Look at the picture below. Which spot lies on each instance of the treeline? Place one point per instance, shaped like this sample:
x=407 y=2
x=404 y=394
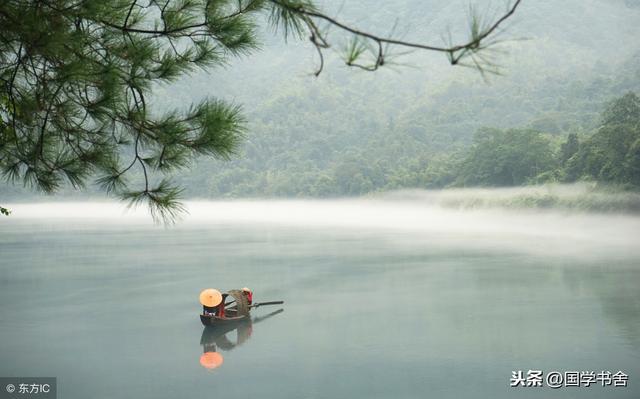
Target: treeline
x=511 y=157
x=581 y=144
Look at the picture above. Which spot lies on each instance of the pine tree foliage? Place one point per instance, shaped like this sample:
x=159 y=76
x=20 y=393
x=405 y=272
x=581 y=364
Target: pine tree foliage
x=77 y=76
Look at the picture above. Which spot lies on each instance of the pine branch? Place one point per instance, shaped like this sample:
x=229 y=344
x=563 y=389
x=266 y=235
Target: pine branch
x=300 y=15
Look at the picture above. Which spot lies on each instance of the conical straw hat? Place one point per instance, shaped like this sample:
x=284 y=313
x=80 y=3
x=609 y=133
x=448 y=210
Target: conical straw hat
x=210 y=297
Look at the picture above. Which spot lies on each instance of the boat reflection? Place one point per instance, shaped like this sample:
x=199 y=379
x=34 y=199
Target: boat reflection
x=220 y=338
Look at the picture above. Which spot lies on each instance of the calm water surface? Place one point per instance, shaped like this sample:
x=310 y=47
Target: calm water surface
x=421 y=303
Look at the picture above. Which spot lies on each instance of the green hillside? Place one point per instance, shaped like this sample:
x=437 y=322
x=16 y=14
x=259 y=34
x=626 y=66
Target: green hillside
x=414 y=124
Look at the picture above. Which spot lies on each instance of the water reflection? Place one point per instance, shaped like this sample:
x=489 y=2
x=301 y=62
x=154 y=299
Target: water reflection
x=616 y=289
x=220 y=338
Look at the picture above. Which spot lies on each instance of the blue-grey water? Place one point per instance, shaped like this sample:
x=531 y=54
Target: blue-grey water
x=382 y=300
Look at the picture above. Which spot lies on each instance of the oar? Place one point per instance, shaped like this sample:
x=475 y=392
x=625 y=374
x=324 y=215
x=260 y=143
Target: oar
x=255 y=305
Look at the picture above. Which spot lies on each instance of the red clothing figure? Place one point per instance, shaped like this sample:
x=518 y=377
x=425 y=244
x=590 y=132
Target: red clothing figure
x=221 y=306
x=247 y=292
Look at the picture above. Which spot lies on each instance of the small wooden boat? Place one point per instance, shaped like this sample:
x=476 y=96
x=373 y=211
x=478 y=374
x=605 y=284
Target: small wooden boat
x=231 y=318
x=235 y=311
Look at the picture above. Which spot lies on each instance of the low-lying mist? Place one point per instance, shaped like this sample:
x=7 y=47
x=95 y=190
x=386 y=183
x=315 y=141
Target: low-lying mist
x=569 y=197
x=472 y=218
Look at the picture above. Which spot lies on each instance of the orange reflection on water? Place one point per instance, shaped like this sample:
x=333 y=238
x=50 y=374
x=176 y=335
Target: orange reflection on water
x=211 y=360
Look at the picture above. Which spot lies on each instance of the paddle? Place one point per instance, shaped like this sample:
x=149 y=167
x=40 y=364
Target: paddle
x=255 y=305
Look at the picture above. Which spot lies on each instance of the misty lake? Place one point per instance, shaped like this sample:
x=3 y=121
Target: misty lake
x=383 y=299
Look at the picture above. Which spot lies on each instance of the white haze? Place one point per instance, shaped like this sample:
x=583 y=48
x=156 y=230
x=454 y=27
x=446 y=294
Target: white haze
x=403 y=218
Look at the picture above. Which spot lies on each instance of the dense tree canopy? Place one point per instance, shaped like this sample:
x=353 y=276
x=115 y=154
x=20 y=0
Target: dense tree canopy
x=612 y=153
x=506 y=158
x=512 y=157
x=77 y=76
x=398 y=158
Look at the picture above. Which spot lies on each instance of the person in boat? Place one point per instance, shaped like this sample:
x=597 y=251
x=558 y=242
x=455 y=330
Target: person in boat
x=220 y=311
x=210 y=311
x=212 y=302
x=215 y=310
x=248 y=294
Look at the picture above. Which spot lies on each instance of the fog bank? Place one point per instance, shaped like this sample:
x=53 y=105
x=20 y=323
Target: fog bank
x=402 y=218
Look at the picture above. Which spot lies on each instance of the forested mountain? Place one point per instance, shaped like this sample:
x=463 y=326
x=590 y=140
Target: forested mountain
x=420 y=123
